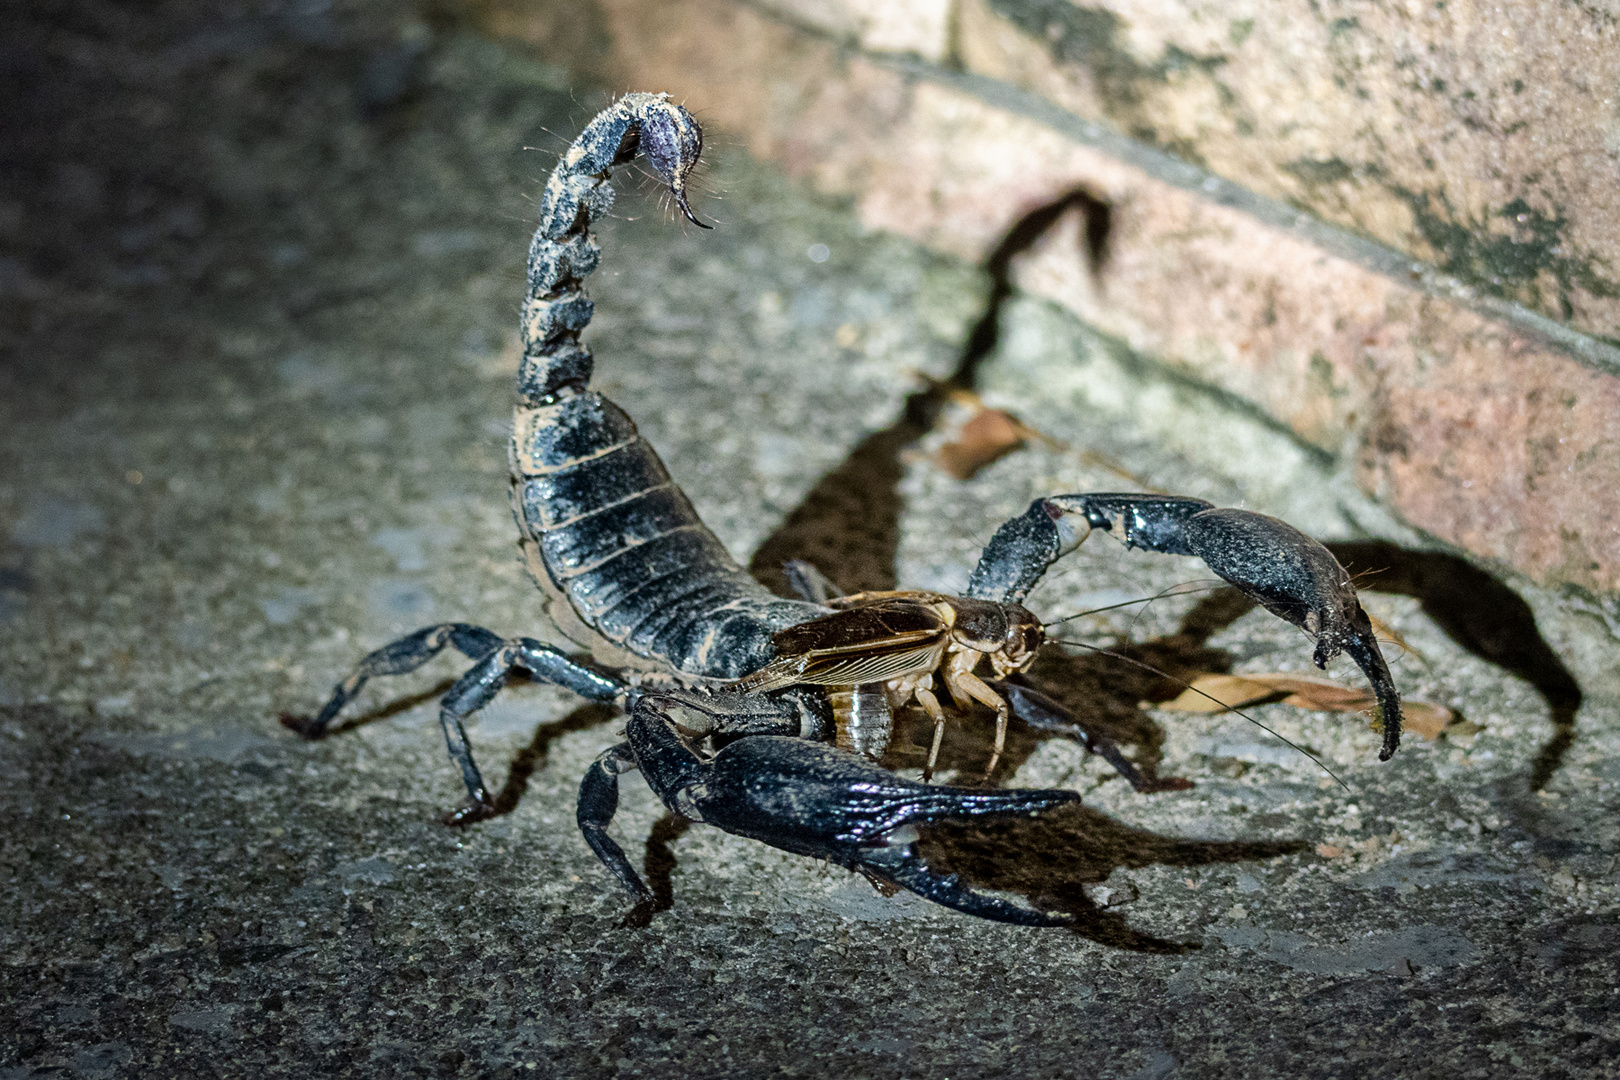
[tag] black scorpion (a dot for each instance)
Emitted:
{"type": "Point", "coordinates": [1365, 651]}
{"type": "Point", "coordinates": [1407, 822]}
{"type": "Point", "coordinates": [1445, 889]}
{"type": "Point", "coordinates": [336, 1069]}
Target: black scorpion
{"type": "Point", "coordinates": [672, 623]}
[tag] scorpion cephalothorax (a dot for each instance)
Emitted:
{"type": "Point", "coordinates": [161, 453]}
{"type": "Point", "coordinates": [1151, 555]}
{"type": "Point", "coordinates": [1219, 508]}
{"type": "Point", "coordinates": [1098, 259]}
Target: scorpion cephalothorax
{"type": "Point", "coordinates": [733, 693]}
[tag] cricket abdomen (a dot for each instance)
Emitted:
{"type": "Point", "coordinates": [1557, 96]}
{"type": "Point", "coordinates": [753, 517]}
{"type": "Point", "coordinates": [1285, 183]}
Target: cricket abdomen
{"type": "Point", "coordinates": [864, 719]}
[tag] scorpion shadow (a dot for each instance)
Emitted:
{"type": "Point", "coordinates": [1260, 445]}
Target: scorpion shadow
{"type": "Point", "coordinates": [1484, 617]}
{"type": "Point", "coordinates": [848, 524]}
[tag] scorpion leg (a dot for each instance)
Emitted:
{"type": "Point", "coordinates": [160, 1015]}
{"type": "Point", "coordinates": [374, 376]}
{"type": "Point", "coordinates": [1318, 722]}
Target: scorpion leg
{"type": "Point", "coordinates": [810, 799]}
{"type": "Point", "coordinates": [1042, 713]}
{"type": "Point", "coordinates": [1288, 573]}
{"type": "Point", "coordinates": [598, 802]}
{"type": "Point", "coordinates": [477, 686]}
{"type": "Point", "coordinates": [396, 658]}
{"type": "Point", "coordinates": [599, 790]}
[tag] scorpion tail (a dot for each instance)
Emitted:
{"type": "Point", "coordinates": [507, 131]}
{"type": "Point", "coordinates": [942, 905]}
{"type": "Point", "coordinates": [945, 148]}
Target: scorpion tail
{"type": "Point", "coordinates": [562, 253]}
{"type": "Point", "coordinates": [628, 569]}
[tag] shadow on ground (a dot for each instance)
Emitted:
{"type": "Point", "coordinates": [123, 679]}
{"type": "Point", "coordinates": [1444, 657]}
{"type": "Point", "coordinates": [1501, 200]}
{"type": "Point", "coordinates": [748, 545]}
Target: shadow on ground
{"type": "Point", "coordinates": [1483, 616]}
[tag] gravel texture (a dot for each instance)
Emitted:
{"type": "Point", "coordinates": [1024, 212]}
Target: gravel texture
{"type": "Point", "coordinates": [259, 293]}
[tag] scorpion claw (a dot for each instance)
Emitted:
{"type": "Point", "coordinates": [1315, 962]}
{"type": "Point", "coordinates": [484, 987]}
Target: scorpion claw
{"type": "Point", "coordinates": [810, 799]}
{"type": "Point", "coordinates": [902, 867]}
{"type": "Point", "coordinates": [1286, 572]}
{"type": "Point", "coordinates": [1363, 649]}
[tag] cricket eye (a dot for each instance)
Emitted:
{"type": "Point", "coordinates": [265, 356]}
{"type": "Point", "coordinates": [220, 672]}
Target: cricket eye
{"type": "Point", "coordinates": [1024, 639]}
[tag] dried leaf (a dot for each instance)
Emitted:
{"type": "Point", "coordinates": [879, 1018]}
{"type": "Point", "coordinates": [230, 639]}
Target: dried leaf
{"type": "Point", "coordinates": [1227, 692]}
{"type": "Point", "coordinates": [1320, 695]}
{"type": "Point", "coordinates": [1429, 721]}
{"type": "Point", "coordinates": [987, 437]}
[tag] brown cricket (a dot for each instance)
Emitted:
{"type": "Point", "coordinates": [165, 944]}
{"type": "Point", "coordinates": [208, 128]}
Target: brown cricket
{"type": "Point", "coordinates": [881, 650]}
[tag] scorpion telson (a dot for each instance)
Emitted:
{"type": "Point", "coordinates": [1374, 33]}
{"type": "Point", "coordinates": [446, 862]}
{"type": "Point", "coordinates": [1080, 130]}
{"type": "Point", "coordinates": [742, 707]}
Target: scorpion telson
{"type": "Point", "coordinates": [733, 693]}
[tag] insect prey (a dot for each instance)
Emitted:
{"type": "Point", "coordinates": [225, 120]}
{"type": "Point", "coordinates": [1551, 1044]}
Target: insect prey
{"type": "Point", "coordinates": [881, 650]}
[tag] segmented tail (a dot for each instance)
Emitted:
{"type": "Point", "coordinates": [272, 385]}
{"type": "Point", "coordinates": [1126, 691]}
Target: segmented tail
{"type": "Point", "coordinates": [563, 253]}
{"type": "Point", "coordinates": [628, 568]}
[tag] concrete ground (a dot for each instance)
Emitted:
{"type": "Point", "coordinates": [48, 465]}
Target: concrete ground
{"type": "Point", "coordinates": [259, 289]}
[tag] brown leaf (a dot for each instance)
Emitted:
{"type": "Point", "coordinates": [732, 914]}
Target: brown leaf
{"type": "Point", "coordinates": [1429, 721]}
{"type": "Point", "coordinates": [1321, 695]}
{"type": "Point", "coordinates": [1227, 692]}
{"type": "Point", "coordinates": [987, 437]}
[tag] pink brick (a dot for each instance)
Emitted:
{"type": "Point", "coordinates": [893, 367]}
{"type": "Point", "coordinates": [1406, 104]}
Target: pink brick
{"type": "Point", "coordinates": [920, 27]}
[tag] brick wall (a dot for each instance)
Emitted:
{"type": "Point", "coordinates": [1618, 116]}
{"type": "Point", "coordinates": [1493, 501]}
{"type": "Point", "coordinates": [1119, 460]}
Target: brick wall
{"type": "Point", "coordinates": [1387, 225]}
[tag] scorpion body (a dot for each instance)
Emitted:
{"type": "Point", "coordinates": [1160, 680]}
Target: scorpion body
{"type": "Point", "coordinates": [733, 693]}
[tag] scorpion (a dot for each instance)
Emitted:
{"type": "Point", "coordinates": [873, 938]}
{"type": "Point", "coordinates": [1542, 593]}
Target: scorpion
{"type": "Point", "coordinates": [761, 715]}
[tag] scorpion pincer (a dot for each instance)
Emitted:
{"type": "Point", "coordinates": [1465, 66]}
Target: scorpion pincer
{"type": "Point", "coordinates": [733, 694]}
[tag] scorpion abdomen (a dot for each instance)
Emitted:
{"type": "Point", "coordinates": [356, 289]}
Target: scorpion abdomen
{"type": "Point", "coordinates": [620, 543]}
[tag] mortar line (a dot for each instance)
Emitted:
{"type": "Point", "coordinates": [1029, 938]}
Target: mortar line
{"type": "Point", "coordinates": [1586, 349]}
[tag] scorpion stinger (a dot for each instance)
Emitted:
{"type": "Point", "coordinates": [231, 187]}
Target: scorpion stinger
{"type": "Point", "coordinates": [1288, 573]}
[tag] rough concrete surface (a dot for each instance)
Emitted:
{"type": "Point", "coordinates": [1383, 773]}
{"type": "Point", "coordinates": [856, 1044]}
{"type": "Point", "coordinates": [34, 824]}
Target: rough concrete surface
{"type": "Point", "coordinates": [260, 283]}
